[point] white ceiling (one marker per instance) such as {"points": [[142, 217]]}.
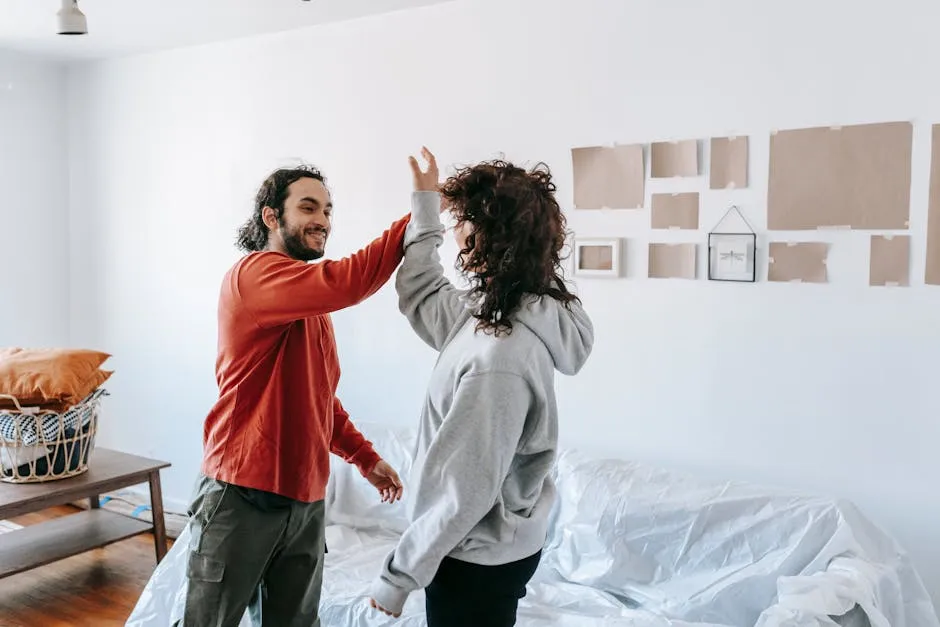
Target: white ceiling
{"points": [[121, 27]]}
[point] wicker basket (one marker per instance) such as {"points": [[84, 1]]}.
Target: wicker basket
{"points": [[39, 445]]}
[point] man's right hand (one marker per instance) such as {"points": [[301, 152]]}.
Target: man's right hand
{"points": [[425, 181]]}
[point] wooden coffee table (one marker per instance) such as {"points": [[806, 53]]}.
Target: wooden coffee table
{"points": [[65, 536]]}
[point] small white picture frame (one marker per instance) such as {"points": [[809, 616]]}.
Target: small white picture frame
{"points": [[597, 257]]}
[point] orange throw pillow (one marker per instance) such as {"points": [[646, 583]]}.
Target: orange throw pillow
{"points": [[53, 378]]}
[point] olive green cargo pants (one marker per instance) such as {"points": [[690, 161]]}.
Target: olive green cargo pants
{"points": [[256, 551]]}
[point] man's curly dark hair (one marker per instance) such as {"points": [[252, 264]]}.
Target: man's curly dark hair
{"points": [[253, 234], [517, 235]]}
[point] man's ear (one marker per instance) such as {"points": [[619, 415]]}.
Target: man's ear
{"points": [[269, 217]]}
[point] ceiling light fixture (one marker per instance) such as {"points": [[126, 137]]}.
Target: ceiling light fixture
{"points": [[71, 20]]}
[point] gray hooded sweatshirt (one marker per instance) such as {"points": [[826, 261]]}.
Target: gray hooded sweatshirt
{"points": [[480, 488]]}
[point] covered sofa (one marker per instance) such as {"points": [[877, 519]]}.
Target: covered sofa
{"points": [[629, 546]]}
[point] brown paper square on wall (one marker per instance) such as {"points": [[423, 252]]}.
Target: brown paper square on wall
{"points": [[803, 261], [672, 261], [596, 258], [932, 272], [674, 211], [854, 176], [890, 260], [609, 177], [670, 159], [729, 159]]}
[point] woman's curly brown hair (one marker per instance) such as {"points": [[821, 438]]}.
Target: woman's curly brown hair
{"points": [[517, 235]]}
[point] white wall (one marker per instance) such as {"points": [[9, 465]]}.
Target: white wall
{"points": [[34, 197], [823, 387]]}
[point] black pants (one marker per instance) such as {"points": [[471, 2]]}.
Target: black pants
{"points": [[463, 594]]}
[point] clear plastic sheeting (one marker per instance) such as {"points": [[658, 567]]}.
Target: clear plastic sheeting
{"points": [[629, 546], [726, 553]]}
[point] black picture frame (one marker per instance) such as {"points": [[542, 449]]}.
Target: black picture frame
{"points": [[749, 256]]}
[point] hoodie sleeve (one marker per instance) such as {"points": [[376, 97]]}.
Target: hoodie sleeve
{"points": [[459, 482], [430, 302]]}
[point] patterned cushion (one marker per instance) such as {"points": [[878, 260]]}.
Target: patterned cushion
{"points": [[47, 429]]}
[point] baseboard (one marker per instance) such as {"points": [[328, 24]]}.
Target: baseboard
{"points": [[135, 502], [170, 505]]}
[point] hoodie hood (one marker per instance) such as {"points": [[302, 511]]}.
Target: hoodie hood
{"points": [[567, 332]]}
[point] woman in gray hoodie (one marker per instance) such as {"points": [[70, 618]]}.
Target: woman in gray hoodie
{"points": [[481, 487]]}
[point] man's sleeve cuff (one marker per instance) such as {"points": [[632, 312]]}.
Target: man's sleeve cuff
{"points": [[366, 460]]}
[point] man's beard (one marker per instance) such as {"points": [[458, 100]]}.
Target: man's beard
{"points": [[296, 248]]}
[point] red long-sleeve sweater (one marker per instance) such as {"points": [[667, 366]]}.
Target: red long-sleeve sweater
{"points": [[277, 418]]}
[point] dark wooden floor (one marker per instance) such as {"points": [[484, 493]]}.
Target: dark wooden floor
{"points": [[94, 589]]}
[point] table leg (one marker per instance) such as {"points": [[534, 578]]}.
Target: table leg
{"points": [[156, 508], [94, 502]]}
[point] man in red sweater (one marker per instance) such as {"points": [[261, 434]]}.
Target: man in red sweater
{"points": [[257, 516]]}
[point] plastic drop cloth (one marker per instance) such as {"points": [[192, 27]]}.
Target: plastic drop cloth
{"points": [[629, 546]]}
